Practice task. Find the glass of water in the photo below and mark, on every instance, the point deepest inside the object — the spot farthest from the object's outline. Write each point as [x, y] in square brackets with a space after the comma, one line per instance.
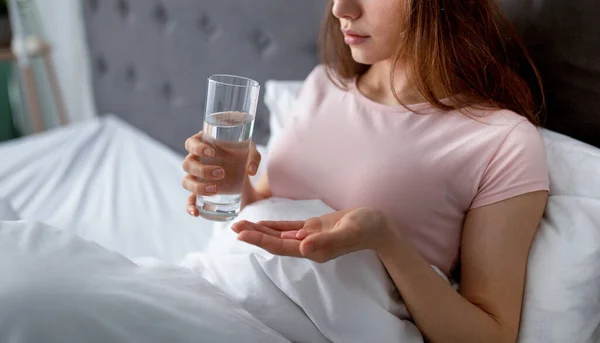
[228, 124]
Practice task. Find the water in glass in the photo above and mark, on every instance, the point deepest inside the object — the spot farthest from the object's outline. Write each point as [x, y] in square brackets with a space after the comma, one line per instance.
[229, 134]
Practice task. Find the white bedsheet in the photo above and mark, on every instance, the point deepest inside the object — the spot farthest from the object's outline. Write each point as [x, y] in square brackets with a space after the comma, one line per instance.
[107, 182]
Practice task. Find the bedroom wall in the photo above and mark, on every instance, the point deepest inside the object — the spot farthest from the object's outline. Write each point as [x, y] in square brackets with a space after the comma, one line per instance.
[62, 21]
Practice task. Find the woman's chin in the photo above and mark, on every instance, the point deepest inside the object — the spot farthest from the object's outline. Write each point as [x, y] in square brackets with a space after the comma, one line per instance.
[363, 57]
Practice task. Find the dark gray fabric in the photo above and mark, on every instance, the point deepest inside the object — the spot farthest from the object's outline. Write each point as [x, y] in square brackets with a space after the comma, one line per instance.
[151, 58]
[564, 39]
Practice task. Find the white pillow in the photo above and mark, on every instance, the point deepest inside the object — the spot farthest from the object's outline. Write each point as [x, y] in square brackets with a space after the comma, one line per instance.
[7, 213]
[562, 297]
[280, 97]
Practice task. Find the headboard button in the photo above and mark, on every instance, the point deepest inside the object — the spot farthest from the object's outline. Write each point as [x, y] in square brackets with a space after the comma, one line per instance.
[123, 8]
[160, 15]
[205, 25]
[93, 5]
[101, 66]
[130, 74]
[261, 40]
[167, 91]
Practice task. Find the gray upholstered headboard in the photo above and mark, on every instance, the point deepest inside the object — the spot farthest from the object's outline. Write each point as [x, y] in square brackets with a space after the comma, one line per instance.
[151, 58]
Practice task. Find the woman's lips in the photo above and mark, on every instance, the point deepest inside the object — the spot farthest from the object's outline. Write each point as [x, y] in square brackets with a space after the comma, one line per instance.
[353, 38]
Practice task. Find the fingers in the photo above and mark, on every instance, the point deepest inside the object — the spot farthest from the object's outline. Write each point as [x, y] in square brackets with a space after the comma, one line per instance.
[321, 250]
[191, 206]
[290, 235]
[325, 245]
[195, 169]
[195, 146]
[274, 245]
[294, 229]
[283, 225]
[254, 159]
[245, 225]
[312, 226]
[278, 229]
[192, 166]
[200, 188]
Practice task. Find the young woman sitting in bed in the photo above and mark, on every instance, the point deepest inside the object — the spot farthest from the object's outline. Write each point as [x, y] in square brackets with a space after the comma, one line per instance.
[421, 130]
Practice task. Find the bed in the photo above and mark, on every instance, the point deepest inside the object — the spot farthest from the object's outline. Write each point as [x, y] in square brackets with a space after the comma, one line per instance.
[115, 180]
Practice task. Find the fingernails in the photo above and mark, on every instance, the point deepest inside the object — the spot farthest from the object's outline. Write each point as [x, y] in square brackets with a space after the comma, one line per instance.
[210, 152]
[253, 168]
[192, 211]
[301, 234]
[218, 173]
[211, 189]
[289, 235]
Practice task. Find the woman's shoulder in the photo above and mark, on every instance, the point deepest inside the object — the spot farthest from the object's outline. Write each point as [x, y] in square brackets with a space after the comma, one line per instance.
[494, 117]
[318, 75]
[499, 123]
[518, 162]
[319, 86]
[504, 129]
[321, 78]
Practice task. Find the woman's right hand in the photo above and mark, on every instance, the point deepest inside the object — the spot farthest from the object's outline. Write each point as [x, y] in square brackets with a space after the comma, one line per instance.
[202, 179]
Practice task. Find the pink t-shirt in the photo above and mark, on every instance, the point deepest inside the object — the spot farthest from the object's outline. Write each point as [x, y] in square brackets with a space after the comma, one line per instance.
[425, 171]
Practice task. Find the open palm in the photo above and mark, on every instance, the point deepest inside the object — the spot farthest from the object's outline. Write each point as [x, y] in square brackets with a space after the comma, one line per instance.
[320, 239]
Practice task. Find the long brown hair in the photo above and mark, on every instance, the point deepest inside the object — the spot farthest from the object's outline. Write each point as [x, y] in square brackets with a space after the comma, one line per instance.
[466, 49]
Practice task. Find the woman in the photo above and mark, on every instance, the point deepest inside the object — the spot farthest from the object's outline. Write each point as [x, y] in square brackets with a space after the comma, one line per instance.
[421, 130]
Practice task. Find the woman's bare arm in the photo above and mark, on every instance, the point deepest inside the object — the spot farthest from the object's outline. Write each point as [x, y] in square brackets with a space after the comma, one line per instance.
[253, 193]
[495, 246]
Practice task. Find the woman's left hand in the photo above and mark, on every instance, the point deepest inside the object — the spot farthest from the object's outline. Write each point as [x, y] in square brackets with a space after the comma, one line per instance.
[319, 239]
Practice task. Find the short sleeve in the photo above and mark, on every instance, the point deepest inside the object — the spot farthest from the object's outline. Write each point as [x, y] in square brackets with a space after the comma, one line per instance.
[518, 167]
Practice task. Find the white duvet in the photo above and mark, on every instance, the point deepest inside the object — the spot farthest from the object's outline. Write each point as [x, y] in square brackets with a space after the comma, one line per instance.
[59, 288]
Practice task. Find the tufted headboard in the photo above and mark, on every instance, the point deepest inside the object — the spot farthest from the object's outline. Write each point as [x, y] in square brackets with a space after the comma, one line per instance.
[151, 58]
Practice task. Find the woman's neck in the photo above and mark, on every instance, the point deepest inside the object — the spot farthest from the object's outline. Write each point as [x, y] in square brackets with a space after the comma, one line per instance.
[375, 85]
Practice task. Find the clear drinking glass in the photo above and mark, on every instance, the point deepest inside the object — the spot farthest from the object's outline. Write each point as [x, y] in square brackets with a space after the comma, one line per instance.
[228, 124]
